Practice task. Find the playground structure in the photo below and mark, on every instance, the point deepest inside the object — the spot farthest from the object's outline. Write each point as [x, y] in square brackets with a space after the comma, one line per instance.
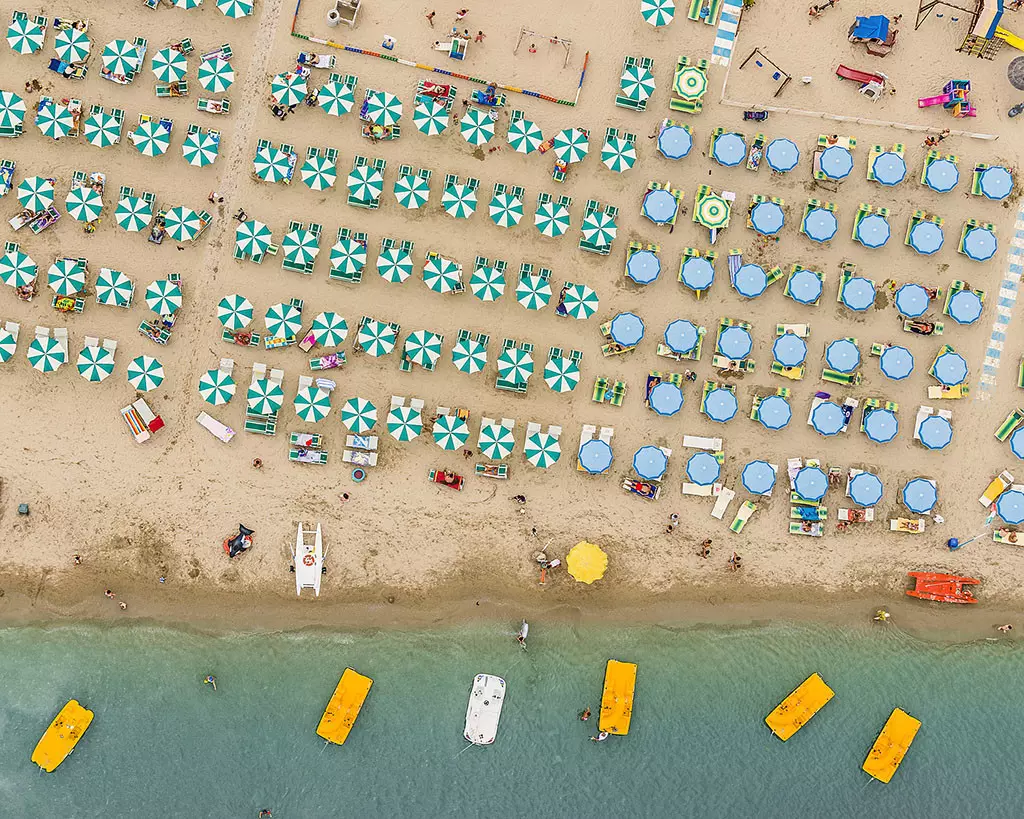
[871, 85]
[986, 36]
[553, 39]
[778, 76]
[954, 98]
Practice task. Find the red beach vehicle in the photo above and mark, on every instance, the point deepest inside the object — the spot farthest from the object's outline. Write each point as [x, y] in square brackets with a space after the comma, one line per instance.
[943, 588]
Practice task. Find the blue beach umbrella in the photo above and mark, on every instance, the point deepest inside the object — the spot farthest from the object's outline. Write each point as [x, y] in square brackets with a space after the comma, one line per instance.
[965, 307]
[920, 496]
[697, 273]
[596, 456]
[750, 281]
[782, 155]
[729, 150]
[836, 162]
[811, 483]
[789, 350]
[881, 425]
[659, 206]
[820, 224]
[805, 287]
[858, 293]
[1010, 506]
[681, 336]
[889, 169]
[828, 418]
[996, 183]
[842, 355]
[643, 267]
[774, 412]
[650, 463]
[912, 300]
[735, 343]
[935, 432]
[865, 489]
[758, 477]
[674, 142]
[666, 398]
[873, 230]
[950, 369]
[942, 176]
[721, 405]
[926, 238]
[703, 468]
[1017, 443]
[767, 218]
[896, 362]
[627, 329]
[980, 244]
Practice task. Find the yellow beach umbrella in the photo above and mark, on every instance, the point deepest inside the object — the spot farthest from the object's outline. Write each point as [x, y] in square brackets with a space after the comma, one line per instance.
[586, 562]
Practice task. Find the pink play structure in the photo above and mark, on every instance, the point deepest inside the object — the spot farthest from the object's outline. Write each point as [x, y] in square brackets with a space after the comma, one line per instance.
[928, 102]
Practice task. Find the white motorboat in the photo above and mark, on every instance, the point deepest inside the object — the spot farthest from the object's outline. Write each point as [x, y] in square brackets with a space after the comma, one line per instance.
[484, 710]
[309, 559]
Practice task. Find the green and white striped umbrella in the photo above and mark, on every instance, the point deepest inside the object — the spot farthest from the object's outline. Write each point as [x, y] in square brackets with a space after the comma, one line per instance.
[235, 9]
[25, 36]
[66, 277]
[319, 173]
[216, 75]
[283, 320]
[506, 210]
[358, 415]
[95, 364]
[442, 275]
[495, 441]
[515, 364]
[618, 154]
[658, 12]
[84, 204]
[394, 265]
[561, 374]
[113, 288]
[476, 127]
[412, 191]
[599, 227]
[580, 301]
[525, 136]
[329, 329]
[271, 164]
[288, 88]
[12, 110]
[120, 57]
[312, 404]
[216, 387]
[8, 345]
[163, 297]
[133, 213]
[423, 347]
[533, 292]
[383, 108]
[45, 354]
[200, 149]
[182, 224]
[264, 397]
[335, 97]
[169, 65]
[235, 312]
[72, 45]
[552, 219]
[54, 121]
[637, 83]
[145, 373]
[430, 117]
[365, 183]
[300, 247]
[571, 145]
[35, 193]
[376, 338]
[450, 432]
[151, 139]
[253, 238]
[487, 283]
[542, 449]
[405, 423]
[459, 201]
[348, 257]
[188, 4]
[469, 356]
[101, 130]
[17, 269]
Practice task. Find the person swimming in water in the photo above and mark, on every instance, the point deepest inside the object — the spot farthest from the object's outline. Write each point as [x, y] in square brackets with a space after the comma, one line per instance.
[584, 715]
[210, 680]
[601, 737]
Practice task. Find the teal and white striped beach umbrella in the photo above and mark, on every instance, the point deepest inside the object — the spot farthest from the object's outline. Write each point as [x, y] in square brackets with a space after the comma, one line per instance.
[283, 320]
[476, 127]
[571, 145]
[394, 265]
[182, 224]
[235, 312]
[83, 204]
[133, 213]
[312, 404]
[442, 275]
[300, 247]
[365, 183]
[45, 354]
[495, 441]
[95, 364]
[253, 238]
[637, 83]
[404, 423]
[200, 149]
[25, 36]
[264, 397]
[450, 432]
[271, 164]
[412, 191]
[151, 139]
[459, 201]
[335, 97]
[169, 65]
[658, 12]
[288, 88]
[423, 347]
[599, 228]
[542, 450]
[561, 374]
[580, 302]
[552, 219]
[487, 283]
[72, 45]
[235, 9]
[329, 329]
[506, 210]
[12, 110]
[216, 75]
[54, 121]
[113, 288]
[348, 257]
[525, 136]
[8, 345]
[17, 269]
[319, 173]
[145, 373]
[358, 415]
[376, 338]
[469, 356]
[102, 130]
[35, 193]
[188, 4]
[383, 108]
[216, 387]
[618, 154]
[120, 57]
[515, 364]
[66, 277]
[163, 297]
[430, 117]
[533, 292]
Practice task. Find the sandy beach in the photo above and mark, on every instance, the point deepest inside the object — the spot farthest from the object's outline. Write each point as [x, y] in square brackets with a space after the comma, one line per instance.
[161, 509]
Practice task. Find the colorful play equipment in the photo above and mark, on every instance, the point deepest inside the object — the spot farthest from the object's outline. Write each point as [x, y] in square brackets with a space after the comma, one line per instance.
[954, 98]
[871, 85]
[986, 36]
[875, 33]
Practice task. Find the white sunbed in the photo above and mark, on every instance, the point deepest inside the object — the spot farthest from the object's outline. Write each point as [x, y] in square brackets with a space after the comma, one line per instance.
[367, 442]
[699, 442]
[725, 497]
[215, 427]
[554, 431]
[110, 345]
[358, 457]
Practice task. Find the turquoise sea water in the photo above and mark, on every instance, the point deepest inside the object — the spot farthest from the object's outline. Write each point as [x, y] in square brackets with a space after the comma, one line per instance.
[163, 744]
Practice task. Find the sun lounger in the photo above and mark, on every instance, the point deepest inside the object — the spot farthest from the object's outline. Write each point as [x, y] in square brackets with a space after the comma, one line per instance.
[725, 497]
[913, 526]
[742, 516]
[698, 490]
[808, 528]
[307, 456]
[497, 471]
[856, 515]
[1000, 483]
[215, 427]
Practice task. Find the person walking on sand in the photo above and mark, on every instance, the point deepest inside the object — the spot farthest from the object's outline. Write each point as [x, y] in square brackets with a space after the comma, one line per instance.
[461, 13]
[479, 37]
[430, 17]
